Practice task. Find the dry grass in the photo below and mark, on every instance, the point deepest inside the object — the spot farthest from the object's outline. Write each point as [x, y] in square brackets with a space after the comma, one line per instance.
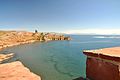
[4, 32]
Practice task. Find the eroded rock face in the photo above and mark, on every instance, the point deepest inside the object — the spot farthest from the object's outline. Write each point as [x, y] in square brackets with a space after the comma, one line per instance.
[5, 56]
[103, 64]
[16, 71]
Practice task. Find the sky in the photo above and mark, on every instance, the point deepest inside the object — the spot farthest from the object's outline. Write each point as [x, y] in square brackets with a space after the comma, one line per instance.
[66, 16]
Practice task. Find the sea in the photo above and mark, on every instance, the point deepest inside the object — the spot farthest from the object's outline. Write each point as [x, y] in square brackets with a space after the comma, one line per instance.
[60, 60]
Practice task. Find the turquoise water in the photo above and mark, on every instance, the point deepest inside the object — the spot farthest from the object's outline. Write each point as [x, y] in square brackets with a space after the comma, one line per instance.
[59, 60]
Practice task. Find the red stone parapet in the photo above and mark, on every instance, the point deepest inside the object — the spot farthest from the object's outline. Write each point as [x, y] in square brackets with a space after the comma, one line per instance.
[103, 64]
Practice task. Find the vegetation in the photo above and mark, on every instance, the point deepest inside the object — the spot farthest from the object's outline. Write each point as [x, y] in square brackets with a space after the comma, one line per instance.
[36, 31]
[4, 32]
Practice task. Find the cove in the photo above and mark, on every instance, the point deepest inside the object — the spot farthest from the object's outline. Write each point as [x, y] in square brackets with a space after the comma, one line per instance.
[59, 60]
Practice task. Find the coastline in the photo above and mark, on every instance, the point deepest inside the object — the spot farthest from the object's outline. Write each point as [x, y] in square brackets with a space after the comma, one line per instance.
[16, 44]
[19, 71]
[18, 38]
[16, 74]
[23, 37]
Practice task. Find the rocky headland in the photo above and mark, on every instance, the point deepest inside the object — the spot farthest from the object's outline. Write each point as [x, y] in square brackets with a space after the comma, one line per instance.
[12, 38]
[16, 70]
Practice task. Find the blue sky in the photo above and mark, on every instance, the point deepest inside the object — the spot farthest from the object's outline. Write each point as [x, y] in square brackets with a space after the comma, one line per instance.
[70, 16]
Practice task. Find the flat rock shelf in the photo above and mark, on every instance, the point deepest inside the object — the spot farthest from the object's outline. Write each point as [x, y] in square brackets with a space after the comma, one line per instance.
[16, 71]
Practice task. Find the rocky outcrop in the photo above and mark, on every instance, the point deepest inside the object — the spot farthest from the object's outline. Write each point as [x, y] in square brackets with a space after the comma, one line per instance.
[16, 71]
[5, 56]
[103, 64]
[53, 36]
[13, 38]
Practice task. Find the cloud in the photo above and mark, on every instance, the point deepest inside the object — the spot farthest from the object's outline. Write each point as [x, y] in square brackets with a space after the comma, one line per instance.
[16, 28]
[94, 31]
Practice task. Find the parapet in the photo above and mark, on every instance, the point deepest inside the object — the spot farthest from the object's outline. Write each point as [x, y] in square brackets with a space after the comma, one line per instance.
[103, 64]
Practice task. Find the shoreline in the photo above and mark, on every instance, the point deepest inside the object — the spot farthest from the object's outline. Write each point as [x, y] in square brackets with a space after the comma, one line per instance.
[19, 38]
[28, 37]
[4, 57]
[19, 43]
[3, 76]
[19, 71]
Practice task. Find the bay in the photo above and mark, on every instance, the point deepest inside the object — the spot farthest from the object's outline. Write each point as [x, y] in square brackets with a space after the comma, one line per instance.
[60, 60]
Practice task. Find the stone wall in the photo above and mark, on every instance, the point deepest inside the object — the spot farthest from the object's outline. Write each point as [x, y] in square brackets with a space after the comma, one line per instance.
[103, 64]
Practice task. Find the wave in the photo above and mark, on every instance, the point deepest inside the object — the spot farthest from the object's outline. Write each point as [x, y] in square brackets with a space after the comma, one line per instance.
[107, 37]
[90, 42]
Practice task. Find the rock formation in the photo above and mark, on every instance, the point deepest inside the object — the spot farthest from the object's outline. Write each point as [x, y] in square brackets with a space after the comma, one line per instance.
[16, 71]
[21, 37]
[5, 56]
[103, 64]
